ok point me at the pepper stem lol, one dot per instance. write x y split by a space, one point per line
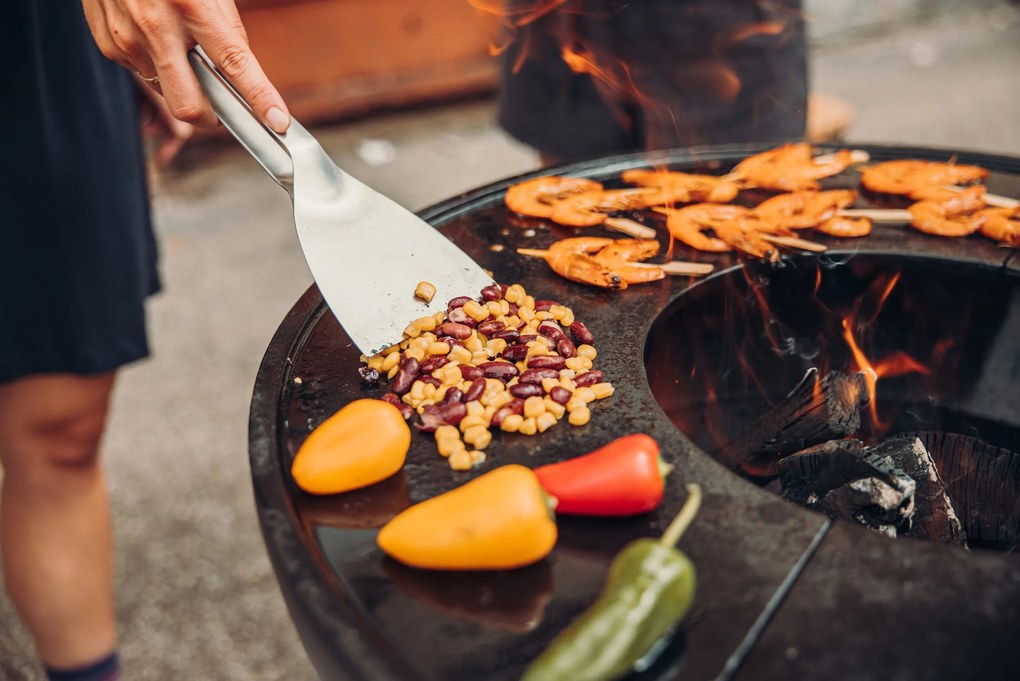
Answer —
683 519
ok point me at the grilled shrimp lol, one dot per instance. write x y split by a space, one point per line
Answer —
913 177
675 187
845 228
734 227
620 255
590 208
789 168
960 214
802 210
1002 225
537 197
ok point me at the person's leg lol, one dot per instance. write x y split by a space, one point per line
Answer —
55 528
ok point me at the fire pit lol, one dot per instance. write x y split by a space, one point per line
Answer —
783 592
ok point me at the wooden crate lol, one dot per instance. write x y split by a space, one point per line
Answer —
338 58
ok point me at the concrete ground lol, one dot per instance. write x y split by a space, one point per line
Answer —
196 596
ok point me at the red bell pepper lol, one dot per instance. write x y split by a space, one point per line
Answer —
624 477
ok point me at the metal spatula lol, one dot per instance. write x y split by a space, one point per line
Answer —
366 253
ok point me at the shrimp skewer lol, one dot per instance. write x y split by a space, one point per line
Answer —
806 209
734 227
538 197
676 187
913 177
790 168
959 215
1002 225
588 209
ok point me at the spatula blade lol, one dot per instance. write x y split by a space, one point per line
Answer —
368 254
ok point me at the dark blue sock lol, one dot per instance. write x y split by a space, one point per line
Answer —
106 669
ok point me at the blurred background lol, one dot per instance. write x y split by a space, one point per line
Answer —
402 95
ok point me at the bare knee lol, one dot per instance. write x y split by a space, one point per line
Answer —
53 423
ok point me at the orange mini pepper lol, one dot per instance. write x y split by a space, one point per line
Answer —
497 521
363 443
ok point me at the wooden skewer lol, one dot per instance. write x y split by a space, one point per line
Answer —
857 156
991 199
680 267
533 252
794 242
877 214
630 228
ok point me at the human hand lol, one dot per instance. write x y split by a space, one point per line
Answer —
152 38
168 134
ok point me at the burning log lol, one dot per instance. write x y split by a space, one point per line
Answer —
816 410
934 516
843 480
982 480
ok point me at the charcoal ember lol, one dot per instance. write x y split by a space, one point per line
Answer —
983 482
816 410
841 479
935 518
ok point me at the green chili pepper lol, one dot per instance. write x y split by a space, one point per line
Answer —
649 589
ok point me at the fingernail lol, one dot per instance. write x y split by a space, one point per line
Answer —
277 119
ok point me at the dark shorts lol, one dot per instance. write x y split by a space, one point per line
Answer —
77 253
678 73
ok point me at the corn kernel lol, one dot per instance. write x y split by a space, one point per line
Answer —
393 371
449 375
425 290
439 348
515 293
418 390
579 417
479 357
440 317
460 354
533 406
549 383
440 393
504 307
603 390
469 422
513 320
475 408
407 399
415 353
482 439
376 362
543 315
557 312
472 434
390 350
430 391
586 351
450 446
528 427
538 349
545 421
475 311
511 423
496 345
554 408
578 363
568 317
474 344
411 331
494 308
568 384
477 457
446 432
526 313
528 301
500 400
425 323
461 461
390 361
586 394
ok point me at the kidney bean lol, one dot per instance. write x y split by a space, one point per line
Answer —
566 348
492 292
537 375
490 327
470 373
503 288
459 316
453 395
405 409
525 390
391 398
514 308
433 362
442 414
409 370
369 376
504 371
544 305
509 335
588 378
547 362
522 325
515 353
527 338
458 302
431 380
581 333
475 390
560 394
513 407
455 329
551 330
451 341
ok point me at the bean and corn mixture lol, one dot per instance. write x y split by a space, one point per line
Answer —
503 362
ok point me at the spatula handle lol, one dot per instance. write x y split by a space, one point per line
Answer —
240 120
